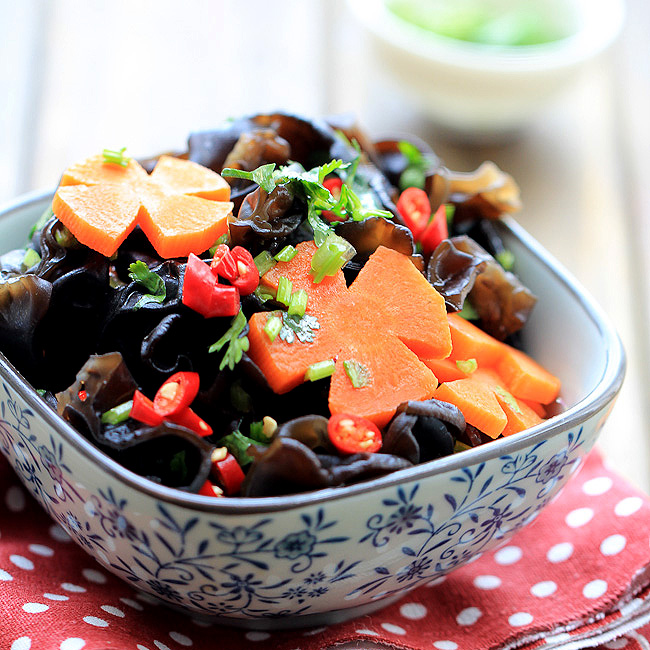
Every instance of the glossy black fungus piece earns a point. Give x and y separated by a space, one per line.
24 301
392 162
452 271
311 430
368 235
423 431
103 382
502 302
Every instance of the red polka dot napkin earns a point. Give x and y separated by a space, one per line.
579 576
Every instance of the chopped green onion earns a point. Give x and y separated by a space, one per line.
32 258
273 327
283 293
358 374
450 210
264 262
223 239
412 177
320 370
117 414
507 259
508 398
468 312
286 254
331 256
116 157
467 366
298 303
460 446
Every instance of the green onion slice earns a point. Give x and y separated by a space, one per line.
283 293
298 303
467 366
264 262
320 370
286 254
272 327
331 256
358 374
116 157
117 414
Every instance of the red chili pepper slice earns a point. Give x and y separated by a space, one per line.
352 434
227 471
190 420
436 231
415 208
143 410
248 276
203 293
209 490
176 393
223 263
334 186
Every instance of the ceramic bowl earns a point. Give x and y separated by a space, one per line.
330 555
486 91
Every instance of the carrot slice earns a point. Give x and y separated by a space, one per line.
100 216
202 223
525 377
393 378
178 176
413 310
520 415
471 342
96 171
536 406
477 402
445 369
182 207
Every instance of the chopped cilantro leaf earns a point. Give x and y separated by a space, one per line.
237 344
237 444
152 282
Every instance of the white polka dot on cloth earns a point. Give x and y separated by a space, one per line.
15 499
367 632
487 582
613 545
560 552
579 517
469 616
413 611
23 643
257 636
314 631
73 643
596 486
141 647
160 645
109 609
594 589
21 562
75 589
39 549
35 608
543 589
394 629
508 555
95 621
5 575
520 618
92 575
56 597
628 506
445 645
181 639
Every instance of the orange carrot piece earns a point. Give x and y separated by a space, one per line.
488 376
412 309
99 216
526 379
95 171
520 415
471 342
177 176
394 377
445 369
477 402
202 223
540 409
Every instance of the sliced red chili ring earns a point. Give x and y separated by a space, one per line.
210 490
227 471
143 410
223 262
334 186
352 434
414 207
190 420
247 277
203 293
436 231
176 393
223 301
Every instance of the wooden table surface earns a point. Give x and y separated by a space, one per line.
77 77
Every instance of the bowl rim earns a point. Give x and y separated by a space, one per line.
603 393
597 30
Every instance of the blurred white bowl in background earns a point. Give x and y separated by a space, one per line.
487 90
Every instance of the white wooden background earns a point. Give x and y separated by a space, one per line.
80 75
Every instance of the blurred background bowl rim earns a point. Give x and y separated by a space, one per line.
603 394
602 22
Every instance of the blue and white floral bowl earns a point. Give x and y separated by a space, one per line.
338 553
